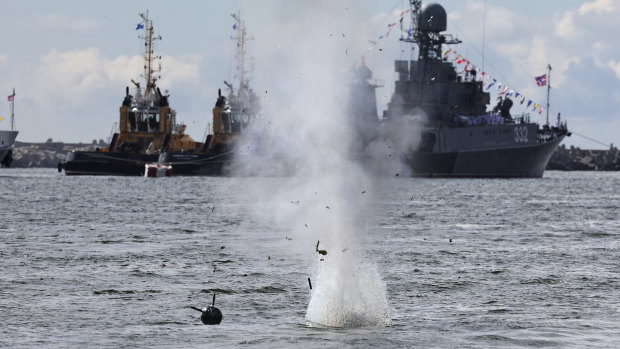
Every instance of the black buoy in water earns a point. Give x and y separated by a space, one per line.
210 315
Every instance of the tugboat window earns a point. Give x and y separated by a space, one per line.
245 120
131 118
224 122
142 122
236 123
153 122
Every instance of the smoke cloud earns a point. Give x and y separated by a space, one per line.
305 131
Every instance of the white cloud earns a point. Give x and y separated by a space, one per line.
615 66
179 70
68 79
84 88
598 7
565 26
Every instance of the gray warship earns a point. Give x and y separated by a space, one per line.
455 134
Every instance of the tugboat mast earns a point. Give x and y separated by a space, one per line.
240 56
149 57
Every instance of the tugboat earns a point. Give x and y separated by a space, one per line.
147 126
459 137
229 149
7 137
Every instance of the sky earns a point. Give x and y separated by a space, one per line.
70 61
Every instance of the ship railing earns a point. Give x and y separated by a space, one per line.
476 120
523 118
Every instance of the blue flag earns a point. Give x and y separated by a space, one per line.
235 26
140 26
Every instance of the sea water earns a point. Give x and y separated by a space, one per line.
118 261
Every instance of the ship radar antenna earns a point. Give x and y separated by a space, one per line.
150 68
426 23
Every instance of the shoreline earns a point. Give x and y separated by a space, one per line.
48 154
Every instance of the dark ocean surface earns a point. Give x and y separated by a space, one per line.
465 263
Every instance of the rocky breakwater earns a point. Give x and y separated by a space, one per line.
575 159
47 154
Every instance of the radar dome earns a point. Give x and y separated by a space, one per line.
433 18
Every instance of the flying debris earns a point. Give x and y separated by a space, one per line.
321 252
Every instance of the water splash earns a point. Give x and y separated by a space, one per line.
348 294
307 123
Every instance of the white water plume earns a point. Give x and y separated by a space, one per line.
305 105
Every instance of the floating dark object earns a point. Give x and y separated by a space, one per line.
210 315
322 252
310 283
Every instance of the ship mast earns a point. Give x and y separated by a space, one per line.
13 110
240 57
548 90
149 57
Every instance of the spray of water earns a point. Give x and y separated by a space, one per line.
306 123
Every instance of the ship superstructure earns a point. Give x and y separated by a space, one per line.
458 135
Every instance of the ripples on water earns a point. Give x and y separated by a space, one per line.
116 262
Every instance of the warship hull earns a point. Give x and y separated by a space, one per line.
93 163
7 138
527 161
